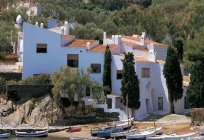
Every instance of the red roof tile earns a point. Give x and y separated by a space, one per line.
102 48
132 38
81 43
138 46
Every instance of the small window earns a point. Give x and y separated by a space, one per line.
96 68
145 72
72 60
41 48
119 74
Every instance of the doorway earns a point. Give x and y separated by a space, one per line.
148 105
160 103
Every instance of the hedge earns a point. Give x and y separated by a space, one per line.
26 92
11 76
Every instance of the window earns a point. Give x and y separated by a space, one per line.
96 68
119 74
145 72
41 48
72 60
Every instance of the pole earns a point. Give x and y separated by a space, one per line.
127 110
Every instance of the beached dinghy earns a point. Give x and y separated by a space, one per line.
123 124
124 133
173 137
42 133
144 134
107 133
73 129
5 135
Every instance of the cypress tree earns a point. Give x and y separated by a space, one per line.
195 91
178 44
130 82
107 71
174 79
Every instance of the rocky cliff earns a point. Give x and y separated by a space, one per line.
35 112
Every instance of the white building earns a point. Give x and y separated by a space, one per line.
46 50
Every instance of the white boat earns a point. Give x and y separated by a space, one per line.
174 137
123 124
78 139
5 135
145 134
124 133
42 133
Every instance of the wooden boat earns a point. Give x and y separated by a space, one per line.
173 137
123 133
144 134
74 129
5 135
42 133
107 133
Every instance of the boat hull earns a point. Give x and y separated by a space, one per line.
5 135
173 137
144 134
32 134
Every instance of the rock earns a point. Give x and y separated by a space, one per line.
20 114
38 114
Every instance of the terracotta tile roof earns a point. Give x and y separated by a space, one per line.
132 38
80 43
138 46
142 59
138 59
102 48
148 41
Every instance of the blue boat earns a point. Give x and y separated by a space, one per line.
107 132
95 131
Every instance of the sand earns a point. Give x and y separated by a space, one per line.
171 124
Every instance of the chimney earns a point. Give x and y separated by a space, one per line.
117 39
113 39
66 28
142 38
104 38
36 24
41 25
152 53
88 46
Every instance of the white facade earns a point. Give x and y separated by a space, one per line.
149 61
